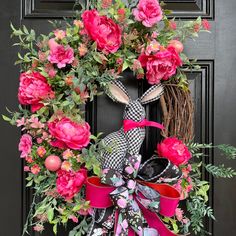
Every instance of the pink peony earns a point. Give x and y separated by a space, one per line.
174 150
69 134
103 30
149 12
69 183
25 145
59 54
33 89
160 66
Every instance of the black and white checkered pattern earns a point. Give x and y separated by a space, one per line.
121 143
151 90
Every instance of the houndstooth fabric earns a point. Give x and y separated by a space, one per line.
121 87
149 91
117 146
123 143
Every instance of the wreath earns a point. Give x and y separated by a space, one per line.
97 182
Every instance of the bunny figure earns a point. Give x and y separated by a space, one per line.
123 142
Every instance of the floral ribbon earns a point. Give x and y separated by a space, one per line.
130 124
130 206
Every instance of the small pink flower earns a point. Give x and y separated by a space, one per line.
74 218
67 154
35 123
154 34
25 145
20 122
35 169
26 168
66 165
131 184
196 27
41 151
185 221
172 25
29 159
59 34
206 25
59 54
52 73
42 56
82 49
78 23
179 214
39 140
106 3
38 228
148 12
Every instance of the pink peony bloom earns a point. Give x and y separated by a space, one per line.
174 150
69 134
33 89
160 66
59 54
148 12
41 151
69 183
35 169
25 145
103 30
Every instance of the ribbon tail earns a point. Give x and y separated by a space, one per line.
154 124
155 222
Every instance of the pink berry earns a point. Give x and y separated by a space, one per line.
53 163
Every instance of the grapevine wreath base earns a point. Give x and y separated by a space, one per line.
100 183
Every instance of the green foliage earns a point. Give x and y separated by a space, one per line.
220 171
80 229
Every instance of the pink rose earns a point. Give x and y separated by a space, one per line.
59 54
148 11
35 169
103 30
160 66
33 89
69 183
25 145
69 134
174 150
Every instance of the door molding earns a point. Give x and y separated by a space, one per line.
184 9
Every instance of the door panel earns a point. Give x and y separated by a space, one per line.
212 89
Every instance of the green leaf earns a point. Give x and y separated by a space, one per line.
50 214
55 229
6 118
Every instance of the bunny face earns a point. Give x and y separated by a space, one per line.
134 111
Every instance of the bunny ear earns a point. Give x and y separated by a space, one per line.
152 94
117 92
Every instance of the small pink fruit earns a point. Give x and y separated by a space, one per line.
179 47
53 163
